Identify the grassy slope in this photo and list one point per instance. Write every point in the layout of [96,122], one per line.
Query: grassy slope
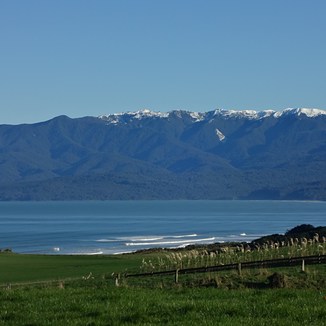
[26,268]
[98,302]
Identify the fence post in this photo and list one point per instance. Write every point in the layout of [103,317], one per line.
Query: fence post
[239,268]
[176,279]
[117,280]
[302,265]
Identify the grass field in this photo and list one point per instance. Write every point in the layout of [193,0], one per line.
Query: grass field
[99,303]
[26,268]
[204,299]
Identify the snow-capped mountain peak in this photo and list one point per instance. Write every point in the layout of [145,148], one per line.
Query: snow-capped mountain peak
[222,154]
[247,114]
[146,113]
[127,116]
[309,112]
[202,116]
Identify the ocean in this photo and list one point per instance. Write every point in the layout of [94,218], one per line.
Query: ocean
[112,227]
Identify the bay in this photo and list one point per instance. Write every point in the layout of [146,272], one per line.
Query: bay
[110,227]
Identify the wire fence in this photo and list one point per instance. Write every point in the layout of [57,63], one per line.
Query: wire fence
[271,263]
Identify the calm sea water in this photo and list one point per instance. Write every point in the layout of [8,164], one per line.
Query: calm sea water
[123,226]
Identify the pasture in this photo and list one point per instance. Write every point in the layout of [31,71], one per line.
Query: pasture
[81,290]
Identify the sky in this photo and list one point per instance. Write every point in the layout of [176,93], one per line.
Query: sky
[88,58]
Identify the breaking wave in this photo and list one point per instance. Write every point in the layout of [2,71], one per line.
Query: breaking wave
[185,236]
[169,242]
[149,238]
[127,244]
[86,253]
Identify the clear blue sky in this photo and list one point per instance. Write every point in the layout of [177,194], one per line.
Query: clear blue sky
[93,57]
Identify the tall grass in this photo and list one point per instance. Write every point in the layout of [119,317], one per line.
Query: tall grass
[229,254]
[212,300]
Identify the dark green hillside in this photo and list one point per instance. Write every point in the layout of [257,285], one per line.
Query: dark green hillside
[180,155]
[299,232]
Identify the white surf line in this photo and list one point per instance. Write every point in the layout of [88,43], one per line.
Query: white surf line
[183,236]
[168,242]
[149,238]
[146,239]
[87,253]
[106,240]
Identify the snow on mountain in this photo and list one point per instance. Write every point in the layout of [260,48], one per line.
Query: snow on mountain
[220,113]
[127,116]
[149,114]
[246,114]
[197,116]
[142,114]
[256,115]
[220,135]
[311,113]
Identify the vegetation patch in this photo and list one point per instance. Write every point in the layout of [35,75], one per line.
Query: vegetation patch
[82,290]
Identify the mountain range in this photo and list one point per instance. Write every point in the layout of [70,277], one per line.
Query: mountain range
[221,154]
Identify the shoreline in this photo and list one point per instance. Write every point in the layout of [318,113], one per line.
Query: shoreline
[297,235]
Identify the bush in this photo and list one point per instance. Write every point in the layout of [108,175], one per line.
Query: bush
[278,280]
[303,228]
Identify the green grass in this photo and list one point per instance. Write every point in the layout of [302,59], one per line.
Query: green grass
[99,303]
[201,257]
[28,268]
[223,298]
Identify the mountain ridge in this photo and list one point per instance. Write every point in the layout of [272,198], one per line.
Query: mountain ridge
[175,155]
[200,116]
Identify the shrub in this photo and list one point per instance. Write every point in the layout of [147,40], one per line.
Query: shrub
[303,228]
[278,280]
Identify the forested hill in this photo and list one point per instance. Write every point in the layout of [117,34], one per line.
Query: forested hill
[177,155]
